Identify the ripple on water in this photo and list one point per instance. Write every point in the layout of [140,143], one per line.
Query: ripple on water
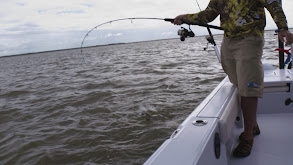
[113,105]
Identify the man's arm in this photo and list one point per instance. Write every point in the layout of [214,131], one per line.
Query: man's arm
[277,13]
[203,17]
[207,15]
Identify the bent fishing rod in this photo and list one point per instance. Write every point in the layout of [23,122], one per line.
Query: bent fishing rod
[183,32]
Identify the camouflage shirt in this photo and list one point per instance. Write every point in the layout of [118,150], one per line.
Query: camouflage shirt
[241,18]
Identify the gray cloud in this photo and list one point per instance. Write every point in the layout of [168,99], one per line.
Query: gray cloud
[48,25]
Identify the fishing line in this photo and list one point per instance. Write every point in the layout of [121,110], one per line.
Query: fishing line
[139,18]
[198,5]
[116,20]
[109,22]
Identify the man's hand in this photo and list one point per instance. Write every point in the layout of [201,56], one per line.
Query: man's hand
[180,19]
[287,35]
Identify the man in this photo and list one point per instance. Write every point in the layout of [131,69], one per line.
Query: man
[243,22]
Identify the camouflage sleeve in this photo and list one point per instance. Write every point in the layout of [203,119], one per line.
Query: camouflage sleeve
[277,13]
[205,16]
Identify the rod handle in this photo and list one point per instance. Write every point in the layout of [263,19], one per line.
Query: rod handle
[169,20]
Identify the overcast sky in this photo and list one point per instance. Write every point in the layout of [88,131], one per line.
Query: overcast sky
[39,25]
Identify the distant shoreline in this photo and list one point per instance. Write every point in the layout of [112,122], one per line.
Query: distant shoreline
[57,50]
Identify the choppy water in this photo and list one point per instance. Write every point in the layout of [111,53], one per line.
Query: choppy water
[114,105]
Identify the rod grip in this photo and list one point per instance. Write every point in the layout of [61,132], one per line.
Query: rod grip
[203,25]
[169,20]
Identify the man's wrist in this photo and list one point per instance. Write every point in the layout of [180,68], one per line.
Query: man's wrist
[284,28]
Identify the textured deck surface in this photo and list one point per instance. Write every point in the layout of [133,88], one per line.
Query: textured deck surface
[274,146]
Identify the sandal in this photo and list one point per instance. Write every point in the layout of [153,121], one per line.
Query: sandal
[255,132]
[243,149]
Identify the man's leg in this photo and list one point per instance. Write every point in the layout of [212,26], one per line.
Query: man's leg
[249,107]
[247,75]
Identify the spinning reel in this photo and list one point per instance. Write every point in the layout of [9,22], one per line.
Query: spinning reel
[184,33]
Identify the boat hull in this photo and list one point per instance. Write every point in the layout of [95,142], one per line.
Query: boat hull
[219,115]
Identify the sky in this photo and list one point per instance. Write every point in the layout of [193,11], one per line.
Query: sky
[40,25]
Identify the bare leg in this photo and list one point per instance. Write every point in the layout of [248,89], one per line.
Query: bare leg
[249,107]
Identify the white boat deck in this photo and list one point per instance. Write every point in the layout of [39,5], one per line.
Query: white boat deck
[275,143]
[274,146]
[213,143]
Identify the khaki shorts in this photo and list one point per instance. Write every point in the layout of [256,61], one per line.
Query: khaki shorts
[241,60]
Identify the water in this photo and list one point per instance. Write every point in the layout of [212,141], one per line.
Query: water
[114,105]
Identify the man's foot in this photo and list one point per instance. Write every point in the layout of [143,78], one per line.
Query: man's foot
[243,149]
[256,131]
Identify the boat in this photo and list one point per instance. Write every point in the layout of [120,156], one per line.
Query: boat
[210,133]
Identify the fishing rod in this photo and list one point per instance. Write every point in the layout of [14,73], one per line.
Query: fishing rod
[142,18]
[181,32]
[211,38]
[116,20]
